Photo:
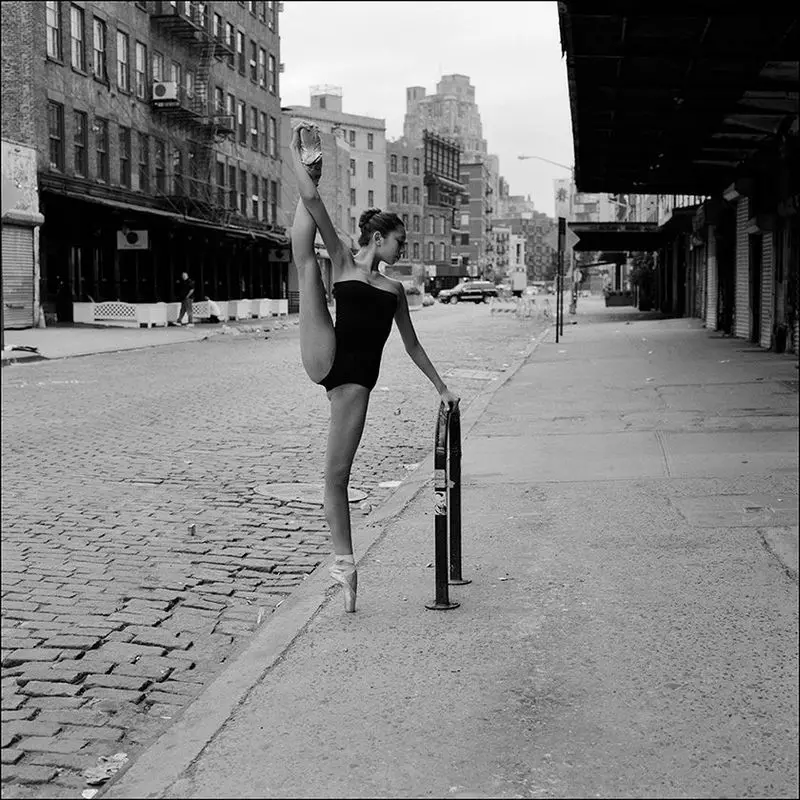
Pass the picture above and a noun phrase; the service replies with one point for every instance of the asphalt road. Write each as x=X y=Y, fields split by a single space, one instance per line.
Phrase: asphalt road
x=115 y=613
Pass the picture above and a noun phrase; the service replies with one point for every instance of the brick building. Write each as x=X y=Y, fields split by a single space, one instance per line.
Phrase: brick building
x=405 y=181
x=157 y=131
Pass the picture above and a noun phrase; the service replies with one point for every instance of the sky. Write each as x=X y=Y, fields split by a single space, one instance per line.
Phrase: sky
x=510 y=50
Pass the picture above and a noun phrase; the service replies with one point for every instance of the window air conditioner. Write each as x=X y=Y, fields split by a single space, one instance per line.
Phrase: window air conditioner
x=281 y=67
x=165 y=90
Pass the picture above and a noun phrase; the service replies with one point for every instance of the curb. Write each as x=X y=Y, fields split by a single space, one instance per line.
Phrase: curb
x=163 y=762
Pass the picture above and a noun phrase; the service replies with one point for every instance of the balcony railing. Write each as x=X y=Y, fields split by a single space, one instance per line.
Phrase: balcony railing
x=185 y=22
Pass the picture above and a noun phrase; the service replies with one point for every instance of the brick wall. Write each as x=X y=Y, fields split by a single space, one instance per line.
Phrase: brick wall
x=22 y=24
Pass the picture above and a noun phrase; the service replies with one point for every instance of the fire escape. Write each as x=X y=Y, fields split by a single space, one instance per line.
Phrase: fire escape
x=188 y=23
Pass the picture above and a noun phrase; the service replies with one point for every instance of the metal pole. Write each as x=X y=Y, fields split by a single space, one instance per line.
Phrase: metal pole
x=454 y=474
x=562 y=241
x=440 y=487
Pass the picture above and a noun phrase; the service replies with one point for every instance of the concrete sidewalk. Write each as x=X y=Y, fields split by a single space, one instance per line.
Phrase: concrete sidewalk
x=66 y=341
x=630 y=512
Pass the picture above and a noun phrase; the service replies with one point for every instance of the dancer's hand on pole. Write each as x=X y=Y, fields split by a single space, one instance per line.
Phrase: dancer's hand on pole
x=449 y=399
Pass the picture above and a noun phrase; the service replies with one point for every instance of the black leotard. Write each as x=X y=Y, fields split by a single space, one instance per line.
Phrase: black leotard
x=364 y=316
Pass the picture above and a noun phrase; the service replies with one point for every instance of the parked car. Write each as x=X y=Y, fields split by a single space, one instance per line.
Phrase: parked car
x=475 y=291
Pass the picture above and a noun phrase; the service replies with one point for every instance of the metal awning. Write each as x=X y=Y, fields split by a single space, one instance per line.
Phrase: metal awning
x=133 y=208
x=614 y=236
x=671 y=99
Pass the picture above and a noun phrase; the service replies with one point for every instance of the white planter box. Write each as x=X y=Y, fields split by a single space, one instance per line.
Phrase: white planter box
x=151 y=314
x=173 y=309
x=115 y=312
x=83 y=312
x=260 y=308
x=200 y=310
x=239 y=309
x=280 y=308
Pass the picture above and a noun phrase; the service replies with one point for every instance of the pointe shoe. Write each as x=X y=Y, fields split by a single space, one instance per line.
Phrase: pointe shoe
x=311 y=151
x=343 y=571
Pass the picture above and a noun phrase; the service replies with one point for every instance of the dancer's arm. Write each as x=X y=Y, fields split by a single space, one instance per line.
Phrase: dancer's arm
x=309 y=195
x=415 y=350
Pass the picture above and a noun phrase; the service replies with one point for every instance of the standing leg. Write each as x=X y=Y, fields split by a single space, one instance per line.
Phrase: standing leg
x=348 y=412
x=317 y=336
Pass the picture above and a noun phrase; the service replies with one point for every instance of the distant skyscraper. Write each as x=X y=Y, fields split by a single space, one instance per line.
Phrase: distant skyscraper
x=451 y=112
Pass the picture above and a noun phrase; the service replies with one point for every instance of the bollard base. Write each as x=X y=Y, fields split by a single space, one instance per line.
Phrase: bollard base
x=459 y=581
x=441 y=606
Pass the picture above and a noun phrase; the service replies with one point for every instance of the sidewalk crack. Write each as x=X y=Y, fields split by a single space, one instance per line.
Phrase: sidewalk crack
x=664 y=454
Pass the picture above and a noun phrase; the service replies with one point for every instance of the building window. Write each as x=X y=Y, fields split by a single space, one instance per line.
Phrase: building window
x=416 y=195
x=161 y=166
x=241 y=122
x=254 y=198
x=190 y=83
x=393 y=164
x=404 y=194
x=176 y=73
x=430 y=228
x=273 y=76
x=405 y=164
x=219 y=101
x=53 y=23
x=370 y=169
x=232 y=187
x=229 y=37
x=352 y=224
x=441 y=226
x=352 y=167
x=253 y=61
x=55 y=124
x=464 y=238
x=144 y=162
x=392 y=194
x=141 y=71
x=431 y=251
x=442 y=251
x=202 y=16
x=77 y=37
x=216 y=28
x=273 y=202
x=262 y=11
x=262 y=67
x=177 y=171
x=405 y=221
x=251 y=6
x=352 y=197
x=254 y=137
x=352 y=139
x=100 y=43
x=101 y=147
x=273 y=137
x=370 y=199
x=416 y=166
x=221 y=188
x=80 y=142
x=124 y=156
x=123 y=62
x=416 y=223
x=240 y=52
x=370 y=141
x=416 y=251
x=157 y=66
x=264 y=134
x=230 y=108
x=243 y=192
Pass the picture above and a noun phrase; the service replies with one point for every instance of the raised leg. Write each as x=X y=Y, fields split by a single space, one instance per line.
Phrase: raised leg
x=317 y=336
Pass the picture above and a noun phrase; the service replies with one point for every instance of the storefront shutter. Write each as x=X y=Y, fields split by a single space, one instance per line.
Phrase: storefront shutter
x=712 y=282
x=742 y=326
x=17 y=277
x=767 y=289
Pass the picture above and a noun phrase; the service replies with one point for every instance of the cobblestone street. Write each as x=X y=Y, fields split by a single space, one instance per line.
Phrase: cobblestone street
x=115 y=612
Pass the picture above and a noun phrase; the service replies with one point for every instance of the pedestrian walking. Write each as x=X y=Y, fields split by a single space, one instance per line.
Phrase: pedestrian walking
x=345 y=358
x=186 y=293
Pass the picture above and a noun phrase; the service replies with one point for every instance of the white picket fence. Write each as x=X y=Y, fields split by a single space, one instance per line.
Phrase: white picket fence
x=135 y=315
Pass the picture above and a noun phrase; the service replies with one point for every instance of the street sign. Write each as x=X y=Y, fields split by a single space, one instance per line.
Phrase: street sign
x=551 y=240
x=572 y=238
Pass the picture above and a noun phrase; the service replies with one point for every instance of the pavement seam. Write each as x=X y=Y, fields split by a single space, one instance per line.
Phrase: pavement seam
x=222 y=696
